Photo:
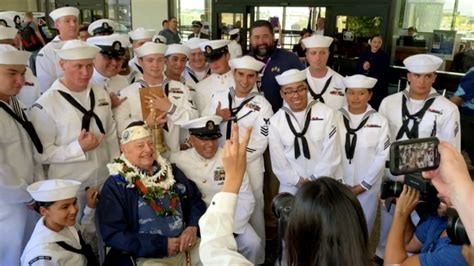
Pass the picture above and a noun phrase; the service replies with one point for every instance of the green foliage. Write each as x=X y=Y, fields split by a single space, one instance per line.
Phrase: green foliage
x=364 y=26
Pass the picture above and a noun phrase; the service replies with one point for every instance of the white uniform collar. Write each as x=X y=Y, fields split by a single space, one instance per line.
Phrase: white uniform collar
x=58 y=85
x=100 y=79
x=43 y=235
x=433 y=93
x=369 y=111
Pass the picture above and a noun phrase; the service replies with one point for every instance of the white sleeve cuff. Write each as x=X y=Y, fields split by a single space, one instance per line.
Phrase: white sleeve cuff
x=223 y=202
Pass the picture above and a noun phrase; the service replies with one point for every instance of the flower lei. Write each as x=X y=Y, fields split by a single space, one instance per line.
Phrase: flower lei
x=151 y=188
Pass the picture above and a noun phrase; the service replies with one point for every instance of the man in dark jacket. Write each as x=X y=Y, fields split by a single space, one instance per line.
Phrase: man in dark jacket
x=149 y=210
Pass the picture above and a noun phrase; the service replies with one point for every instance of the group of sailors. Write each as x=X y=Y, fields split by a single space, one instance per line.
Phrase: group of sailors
x=313 y=122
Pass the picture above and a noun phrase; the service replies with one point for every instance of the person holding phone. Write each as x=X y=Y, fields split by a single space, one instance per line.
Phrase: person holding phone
x=428 y=241
x=418 y=111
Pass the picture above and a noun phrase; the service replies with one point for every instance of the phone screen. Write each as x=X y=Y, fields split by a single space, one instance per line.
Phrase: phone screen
x=414 y=156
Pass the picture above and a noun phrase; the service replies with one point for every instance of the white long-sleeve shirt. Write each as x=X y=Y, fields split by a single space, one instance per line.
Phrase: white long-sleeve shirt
x=218 y=245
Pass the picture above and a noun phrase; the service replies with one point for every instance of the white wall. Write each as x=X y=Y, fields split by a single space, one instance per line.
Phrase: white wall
x=148 y=13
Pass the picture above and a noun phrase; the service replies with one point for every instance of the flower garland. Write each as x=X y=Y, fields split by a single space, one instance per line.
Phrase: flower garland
x=152 y=188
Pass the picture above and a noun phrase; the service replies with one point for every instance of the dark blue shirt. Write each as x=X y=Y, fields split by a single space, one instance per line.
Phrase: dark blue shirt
x=280 y=61
x=436 y=250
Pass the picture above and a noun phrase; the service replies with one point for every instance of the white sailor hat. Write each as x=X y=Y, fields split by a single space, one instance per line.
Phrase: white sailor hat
x=64 y=11
x=77 y=50
x=54 y=190
x=317 y=41
x=135 y=132
x=214 y=49
x=101 y=27
x=359 y=82
x=9 y=55
x=10 y=19
x=246 y=62
x=141 y=33
x=112 y=45
x=159 y=39
x=194 y=43
x=177 y=49
x=290 y=76
x=206 y=127
x=7 y=33
x=234 y=31
x=422 y=63
x=150 y=48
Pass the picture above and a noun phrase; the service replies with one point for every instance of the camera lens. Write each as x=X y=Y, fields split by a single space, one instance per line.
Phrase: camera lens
x=281 y=204
x=456 y=231
x=391 y=189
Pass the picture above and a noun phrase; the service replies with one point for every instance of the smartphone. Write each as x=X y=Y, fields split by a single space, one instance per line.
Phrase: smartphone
x=414 y=155
x=274 y=21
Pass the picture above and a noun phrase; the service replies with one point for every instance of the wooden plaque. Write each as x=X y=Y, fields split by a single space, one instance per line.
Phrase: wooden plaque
x=144 y=93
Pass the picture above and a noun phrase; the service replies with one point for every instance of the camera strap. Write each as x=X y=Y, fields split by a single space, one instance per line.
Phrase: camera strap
x=350 y=145
x=417 y=117
x=301 y=135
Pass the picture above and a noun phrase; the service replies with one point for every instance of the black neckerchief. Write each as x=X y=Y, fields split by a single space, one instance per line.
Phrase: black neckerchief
x=319 y=96
x=350 y=145
x=27 y=125
x=234 y=111
x=417 y=117
x=304 y=142
x=88 y=115
x=85 y=250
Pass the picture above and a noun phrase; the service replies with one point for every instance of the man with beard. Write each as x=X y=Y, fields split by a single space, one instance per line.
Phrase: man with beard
x=276 y=60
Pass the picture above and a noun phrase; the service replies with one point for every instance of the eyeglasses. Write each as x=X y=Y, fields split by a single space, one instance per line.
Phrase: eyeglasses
x=298 y=91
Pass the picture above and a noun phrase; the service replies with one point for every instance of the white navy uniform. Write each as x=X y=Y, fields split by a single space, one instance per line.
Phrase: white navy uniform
x=59 y=124
x=30 y=91
x=112 y=85
x=366 y=167
x=255 y=113
x=18 y=169
x=136 y=72
x=192 y=78
x=209 y=175
x=182 y=109
x=47 y=64
x=441 y=119
x=42 y=248
x=334 y=94
x=322 y=142
x=211 y=85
